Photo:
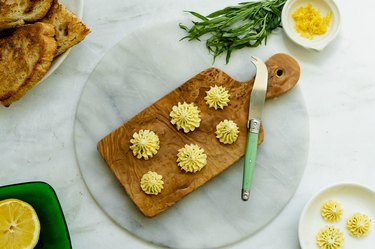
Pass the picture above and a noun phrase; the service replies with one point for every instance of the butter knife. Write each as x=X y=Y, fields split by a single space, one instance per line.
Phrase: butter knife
x=257 y=99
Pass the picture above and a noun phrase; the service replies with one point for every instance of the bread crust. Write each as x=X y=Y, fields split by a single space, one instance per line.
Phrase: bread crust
x=70 y=30
x=15 y=12
x=26 y=55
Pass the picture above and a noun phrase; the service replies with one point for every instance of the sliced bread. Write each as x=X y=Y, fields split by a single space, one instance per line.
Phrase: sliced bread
x=17 y=12
x=26 y=54
x=70 y=30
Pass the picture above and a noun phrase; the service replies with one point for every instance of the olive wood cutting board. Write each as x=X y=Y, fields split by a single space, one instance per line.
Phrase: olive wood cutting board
x=283 y=72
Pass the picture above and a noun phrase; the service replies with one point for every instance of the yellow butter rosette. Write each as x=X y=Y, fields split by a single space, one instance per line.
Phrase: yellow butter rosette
x=330 y=237
x=145 y=144
x=227 y=131
x=331 y=211
x=358 y=225
x=191 y=158
x=185 y=116
x=152 y=183
x=217 y=97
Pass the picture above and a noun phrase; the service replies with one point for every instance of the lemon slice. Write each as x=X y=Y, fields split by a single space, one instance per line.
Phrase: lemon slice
x=19 y=225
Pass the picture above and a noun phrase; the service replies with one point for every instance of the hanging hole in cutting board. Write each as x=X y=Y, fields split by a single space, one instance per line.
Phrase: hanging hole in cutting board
x=279 y=72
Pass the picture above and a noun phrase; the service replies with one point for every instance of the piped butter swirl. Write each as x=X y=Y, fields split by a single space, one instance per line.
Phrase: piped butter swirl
x=185 y=116
x=330 y=238
x=331 y=211
x=191 y=158
x=217 y=97
x=358 y=225
x=145 y=144
x=152 y=183
x=227 y=131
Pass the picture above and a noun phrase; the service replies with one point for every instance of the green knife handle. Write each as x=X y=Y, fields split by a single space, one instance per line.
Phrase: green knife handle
x=250 y=157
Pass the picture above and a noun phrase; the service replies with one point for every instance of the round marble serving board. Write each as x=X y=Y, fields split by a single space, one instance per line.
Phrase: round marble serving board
x=139 y=70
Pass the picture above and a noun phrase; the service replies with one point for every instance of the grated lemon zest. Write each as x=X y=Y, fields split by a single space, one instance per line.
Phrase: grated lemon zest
x=309 y=22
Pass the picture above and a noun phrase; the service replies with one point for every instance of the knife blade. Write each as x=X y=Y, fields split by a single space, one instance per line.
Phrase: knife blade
x=257 y=99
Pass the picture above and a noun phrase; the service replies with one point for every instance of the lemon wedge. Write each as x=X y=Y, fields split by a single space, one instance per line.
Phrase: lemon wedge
x=19 y=225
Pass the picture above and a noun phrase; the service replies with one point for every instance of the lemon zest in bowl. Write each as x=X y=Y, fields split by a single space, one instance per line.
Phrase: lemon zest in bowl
x=309 y=22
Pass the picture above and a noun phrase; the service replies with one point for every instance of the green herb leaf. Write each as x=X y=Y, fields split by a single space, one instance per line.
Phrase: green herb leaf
x=246 y=25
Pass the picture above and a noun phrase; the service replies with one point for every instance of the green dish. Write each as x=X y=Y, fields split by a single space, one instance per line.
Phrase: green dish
x=54 y=231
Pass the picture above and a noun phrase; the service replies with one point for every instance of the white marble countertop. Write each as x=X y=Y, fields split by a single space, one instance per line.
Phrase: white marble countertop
x=337 y=83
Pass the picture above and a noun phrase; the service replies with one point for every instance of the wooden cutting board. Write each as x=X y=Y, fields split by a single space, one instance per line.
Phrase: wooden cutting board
x=283 y=72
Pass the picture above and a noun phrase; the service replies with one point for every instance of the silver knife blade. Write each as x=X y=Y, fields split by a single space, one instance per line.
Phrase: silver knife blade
x=258 y=93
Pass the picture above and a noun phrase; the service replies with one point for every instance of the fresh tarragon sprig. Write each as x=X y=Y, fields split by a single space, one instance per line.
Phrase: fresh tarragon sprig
x=236 y=27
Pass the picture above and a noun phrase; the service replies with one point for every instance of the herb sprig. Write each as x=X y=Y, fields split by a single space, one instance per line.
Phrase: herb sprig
x=236 y=27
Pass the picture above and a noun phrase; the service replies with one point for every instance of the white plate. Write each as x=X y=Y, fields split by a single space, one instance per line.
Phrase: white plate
x=353 y=198
x=324 y=6
x=145 y=66
x=76 y=7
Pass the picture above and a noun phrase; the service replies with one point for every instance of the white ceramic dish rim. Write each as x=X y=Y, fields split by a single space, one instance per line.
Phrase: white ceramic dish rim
x=314 y=45
x=317 y=195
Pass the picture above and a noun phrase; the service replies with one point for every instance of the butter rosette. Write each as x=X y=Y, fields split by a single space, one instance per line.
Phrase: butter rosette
x=217 y=97
x=191 y=158
x=331 y=211
x=330 y=237
x=227 y=131
x=185 y=116
x=358 y=225
x=152 y=183
x=145 y=144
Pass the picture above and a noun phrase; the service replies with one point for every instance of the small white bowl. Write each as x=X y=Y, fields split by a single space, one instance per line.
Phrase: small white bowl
x=353 y=198
x=324 y=6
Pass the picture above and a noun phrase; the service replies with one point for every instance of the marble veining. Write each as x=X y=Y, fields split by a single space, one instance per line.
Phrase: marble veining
x=337 y=84
x=133 y=75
